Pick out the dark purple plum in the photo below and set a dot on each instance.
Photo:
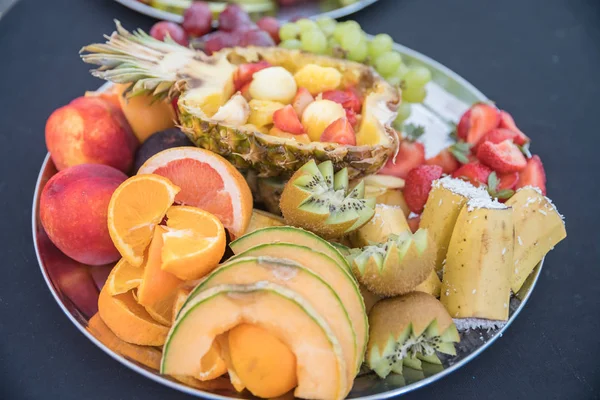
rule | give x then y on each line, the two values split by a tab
158	142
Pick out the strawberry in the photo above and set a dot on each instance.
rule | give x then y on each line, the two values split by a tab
508	181
287	120
446	160
533	175
245	91
477	121
496	136
355	103
502	157
495	185
302	99
175	107
339	131
507	122
347	98
244	73
410	155
473	172
413	223
418	185
351	116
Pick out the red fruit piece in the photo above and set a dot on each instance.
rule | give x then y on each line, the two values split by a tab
477	121
302	99
347	98
243	74
287	120
496	136
533	175
197	19
245	91
255	37
339	131
507	122
502	157
508	181
473	172
446	160
410	155
233	17
351	116
161	29
271	26
413	223
418	185
218	40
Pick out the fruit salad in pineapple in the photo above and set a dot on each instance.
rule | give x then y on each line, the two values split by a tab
269	109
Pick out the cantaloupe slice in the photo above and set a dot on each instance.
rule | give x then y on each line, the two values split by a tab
320	365
288	234
303	281
336	276
263	363
156	284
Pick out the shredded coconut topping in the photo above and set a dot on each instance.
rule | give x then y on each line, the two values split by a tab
460	187
464	324
482	202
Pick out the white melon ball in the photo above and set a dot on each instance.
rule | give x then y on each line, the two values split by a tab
318	115
274	84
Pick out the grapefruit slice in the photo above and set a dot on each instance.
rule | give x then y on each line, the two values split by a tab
207	181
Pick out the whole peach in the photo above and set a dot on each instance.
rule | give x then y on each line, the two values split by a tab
90	130
73	211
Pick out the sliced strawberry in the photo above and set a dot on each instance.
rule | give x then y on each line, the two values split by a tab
502	157
175	107
446	160
508	181
533	175
244	73
302	99
497	135
245	91
351	116
339	131
507	122
347	98
287	120
477	121
356	99
413	223
418	185
473	172
410	155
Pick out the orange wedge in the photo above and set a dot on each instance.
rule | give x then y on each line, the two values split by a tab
207	181
162	311
193	244
123	278
156	284
135	208
129	321
180	297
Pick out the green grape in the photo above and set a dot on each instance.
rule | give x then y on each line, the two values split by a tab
403	112
351	39
289	31
359	52
292	44
352	25
314	41
394	80
306	25
415	94
387	63
401	71
380	44
417	76
327	25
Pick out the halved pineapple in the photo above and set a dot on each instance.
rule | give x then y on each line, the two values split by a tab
205	83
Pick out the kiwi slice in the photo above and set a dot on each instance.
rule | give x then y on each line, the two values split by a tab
407	331
396	266
318	200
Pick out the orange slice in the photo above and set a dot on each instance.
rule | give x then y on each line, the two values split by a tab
135	208
129	321
156	285
207	181
180	297
123	278
162	311
193	244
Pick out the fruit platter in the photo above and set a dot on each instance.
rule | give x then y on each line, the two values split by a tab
173	10
317	217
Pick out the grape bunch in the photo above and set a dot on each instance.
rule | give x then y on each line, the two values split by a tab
347	40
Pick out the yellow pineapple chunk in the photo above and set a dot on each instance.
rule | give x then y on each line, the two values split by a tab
318	115
286	135
318	79
261	112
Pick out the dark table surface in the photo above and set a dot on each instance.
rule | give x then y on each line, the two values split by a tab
538	59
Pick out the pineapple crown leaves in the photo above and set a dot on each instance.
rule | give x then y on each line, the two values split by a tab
461	150
139	59
492	187
413	132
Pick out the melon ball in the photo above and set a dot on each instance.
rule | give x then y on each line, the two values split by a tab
274	84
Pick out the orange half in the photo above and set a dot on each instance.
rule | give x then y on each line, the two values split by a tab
123	278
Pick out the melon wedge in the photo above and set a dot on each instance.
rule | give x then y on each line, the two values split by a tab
300	279
320	365
288	234
336	276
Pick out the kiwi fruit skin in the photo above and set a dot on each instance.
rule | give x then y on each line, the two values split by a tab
392	321
301	209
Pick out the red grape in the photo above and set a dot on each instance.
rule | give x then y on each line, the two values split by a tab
233	17
256	37
219	40
197	19
271	26
161	29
